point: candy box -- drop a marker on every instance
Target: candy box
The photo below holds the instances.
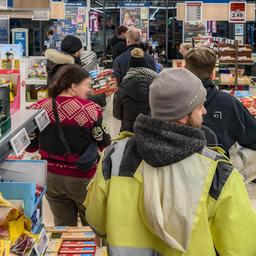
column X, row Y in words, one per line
column 79, row 244
column 57, row 229
column 79, row 229
column 54, row 246
column 105, row 82
column 79, row 236
column 76, row 254
column 77, row 250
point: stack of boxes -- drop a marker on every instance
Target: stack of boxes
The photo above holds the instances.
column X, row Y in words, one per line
column 72, row 241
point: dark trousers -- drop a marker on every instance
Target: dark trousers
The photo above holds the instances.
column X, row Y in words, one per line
column 66, row 196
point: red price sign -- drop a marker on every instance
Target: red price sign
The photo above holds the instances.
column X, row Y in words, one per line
column 237, row 12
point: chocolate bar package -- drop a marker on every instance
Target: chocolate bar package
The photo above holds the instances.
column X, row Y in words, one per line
column 77, row 250
column 76, row 254
column 79, row 236
column 79, row 244
column 79, row 229
column 57, row 229
column 54, row 246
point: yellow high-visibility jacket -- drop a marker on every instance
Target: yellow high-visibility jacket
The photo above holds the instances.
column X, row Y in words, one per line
column 197, row 207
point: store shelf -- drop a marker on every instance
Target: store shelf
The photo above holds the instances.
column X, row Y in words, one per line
column 19, row 120
column 230, row 84
column 239, row 63
column 36, row 81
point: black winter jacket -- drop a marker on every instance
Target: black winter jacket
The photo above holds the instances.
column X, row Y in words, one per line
column 117, row 46
column 121, row 63
column 56, row 59
column 131, row 99
column 228, row 119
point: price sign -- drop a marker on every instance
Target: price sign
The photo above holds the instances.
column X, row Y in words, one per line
column 194, row 11
column 20, row 142
column 41, row 15
column 40, row 247
column 237, row 12
column 42, row 120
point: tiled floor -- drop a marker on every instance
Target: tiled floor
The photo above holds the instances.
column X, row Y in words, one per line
column 113, row 126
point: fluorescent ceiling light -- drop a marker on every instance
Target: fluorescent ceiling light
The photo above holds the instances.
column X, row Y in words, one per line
column 153, row 15
column 99, row 3
column 96, row 10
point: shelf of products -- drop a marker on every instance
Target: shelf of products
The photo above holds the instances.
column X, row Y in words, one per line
column 34, row 77
column 36, row 81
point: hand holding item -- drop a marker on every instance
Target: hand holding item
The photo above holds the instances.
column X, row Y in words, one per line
column 105, row 82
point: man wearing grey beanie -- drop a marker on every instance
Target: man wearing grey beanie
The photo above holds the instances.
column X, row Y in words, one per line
column 162, row 191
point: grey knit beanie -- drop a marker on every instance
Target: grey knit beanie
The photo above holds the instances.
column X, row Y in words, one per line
column 175, row 93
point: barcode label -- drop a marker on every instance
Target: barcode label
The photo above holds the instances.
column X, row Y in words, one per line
column 42, row 120
column 20, row 142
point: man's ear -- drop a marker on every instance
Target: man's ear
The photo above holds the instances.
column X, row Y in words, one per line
column 212, row 75
column 183, row 120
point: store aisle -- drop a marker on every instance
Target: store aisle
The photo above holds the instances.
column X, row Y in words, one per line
column 113, row 125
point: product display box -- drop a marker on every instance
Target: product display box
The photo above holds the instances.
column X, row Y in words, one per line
column 89, row 235
column 104, row 82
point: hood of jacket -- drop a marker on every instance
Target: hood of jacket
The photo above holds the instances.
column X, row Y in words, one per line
column 58, row 57
column 175, row 179
column 129, row 48
column 55, row 59
column 211, row 90
column 137, row 89
column 162, row 143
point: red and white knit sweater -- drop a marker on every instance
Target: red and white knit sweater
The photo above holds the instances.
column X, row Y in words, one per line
column 81, row 121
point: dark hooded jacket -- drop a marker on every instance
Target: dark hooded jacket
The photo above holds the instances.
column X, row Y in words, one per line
column 228, row 119
column 56, row 59
column 132, row 97
column 121, row 63
column 117, row 46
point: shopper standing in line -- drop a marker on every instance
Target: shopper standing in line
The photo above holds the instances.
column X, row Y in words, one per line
column 226, row 115
column 132, row 97
column 121, row 63
column 184, row 49
column 80, row 121
column 71, row 50
column 117, row 44
column 162, row 191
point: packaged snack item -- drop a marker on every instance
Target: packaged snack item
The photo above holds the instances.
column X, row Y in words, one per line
column 77, row 250
column 54, row 246
column 57, row 229
column 79, row 236
column 105, row 82
column 76, row 254
column 79, row 244
column 79, row 229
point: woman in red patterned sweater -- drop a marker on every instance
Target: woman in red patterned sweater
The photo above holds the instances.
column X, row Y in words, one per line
column 81, row 122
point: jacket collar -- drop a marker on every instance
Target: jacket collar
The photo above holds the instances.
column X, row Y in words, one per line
column 58, row 57
column 131, row 47
column 162, row 143
column 211, row 90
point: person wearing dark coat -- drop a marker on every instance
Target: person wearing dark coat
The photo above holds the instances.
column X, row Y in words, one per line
column 71, row 47
column 227, row 121
column 132, row 97
column 117, row 44
column 121, row 63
